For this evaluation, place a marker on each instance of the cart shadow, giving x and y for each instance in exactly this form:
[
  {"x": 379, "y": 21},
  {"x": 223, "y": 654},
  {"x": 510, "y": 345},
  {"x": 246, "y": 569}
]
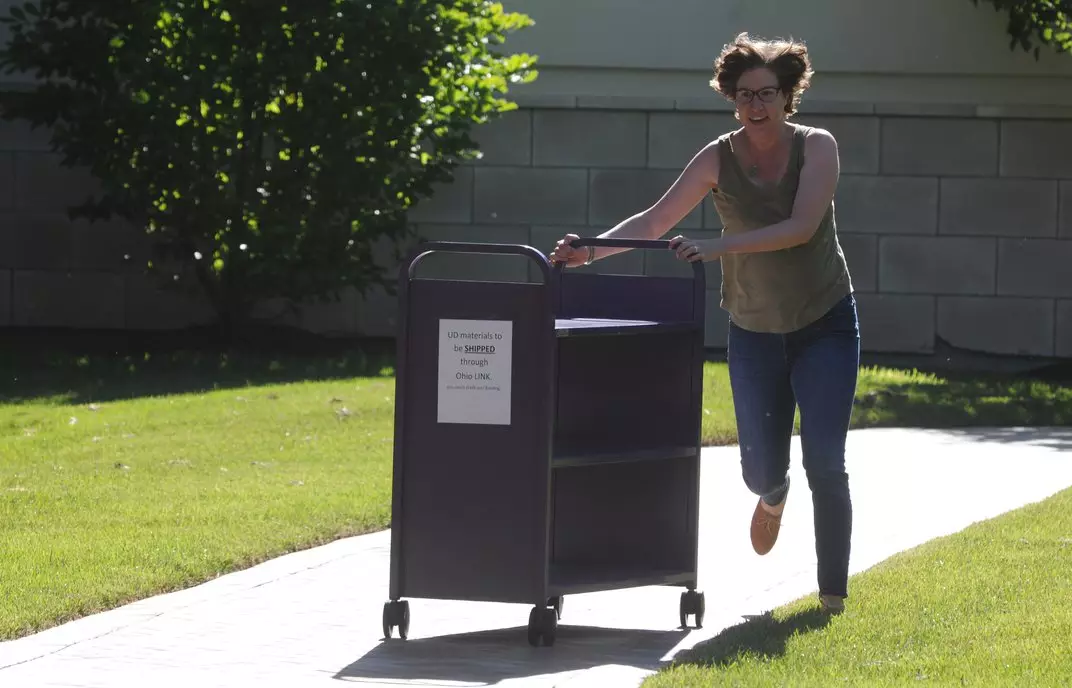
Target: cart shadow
[
  {"x": 488, "y": 657},
  {"x": 761, "y": 637}
]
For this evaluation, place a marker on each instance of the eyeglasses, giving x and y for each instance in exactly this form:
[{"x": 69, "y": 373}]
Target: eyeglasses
[{"x": 767, "y": 94}]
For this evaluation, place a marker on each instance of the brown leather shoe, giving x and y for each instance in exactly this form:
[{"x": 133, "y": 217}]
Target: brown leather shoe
[
  {"x": 832, "y": 604},
  {"x": 765, "y": 527}
]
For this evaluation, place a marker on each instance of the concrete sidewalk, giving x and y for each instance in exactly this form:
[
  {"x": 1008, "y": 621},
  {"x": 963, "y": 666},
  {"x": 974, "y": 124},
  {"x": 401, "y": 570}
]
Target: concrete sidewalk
[{"x": 313, "y": 618}]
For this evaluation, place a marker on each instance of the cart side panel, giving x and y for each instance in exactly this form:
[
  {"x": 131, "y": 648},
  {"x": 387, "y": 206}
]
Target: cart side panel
[{"x": 474, "y": 497}]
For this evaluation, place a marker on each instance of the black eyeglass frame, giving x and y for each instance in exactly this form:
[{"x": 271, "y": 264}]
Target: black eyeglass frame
[{"x": 767, "y": 94}]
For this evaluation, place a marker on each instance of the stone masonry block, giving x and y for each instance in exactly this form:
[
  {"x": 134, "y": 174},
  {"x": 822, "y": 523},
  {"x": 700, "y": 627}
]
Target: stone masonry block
[
  {"x": 1036, "y": 149},
  {"x": 376, "y": 314},
  {"x": 528, "y": 196},
  {"x": 590, "y": 138},
  {"x": 674, "y": 138},
  {"x": 667, "y": 264},
  {"x": 998, "y": 325},
  {"x": 616, "y": 195},
  {"x": 887, "y": 205},
  {"x": 42, "y": 183},
  {"x": 51, "y": 241},
  {"x": 711, "y": 218},
  {"x": 35, "y": 241},
  {"x": 857, "y": 138},
  {"x": 451, "y": 202},
  {"x": 108, "y": 245},
  {"x": 861, "y": 253},
  {"x": 998, "y": 207},
  {"x": 506, "y": 140},
  {"x": 1064, "y": 212},
  {"x": 348, "y": 315},
  {"x": 939, "y": 146},
  {"x": 19, "y": 135},
  {"x": 896, "y": 323},
  {"x": 474, "y": 266},
  {"x": 68, "y": 299},
  {"x": 625, "y": 103},
  {"x": 716, "y": 322},
  {"x": 1064, "y": 329},
  {"x": 1035, "y": 267},
  {"x": 149, "y": 306},
  {"x": 937, "y": 265},
  {"x": 7, "y": 181},
  {"x": 626, "y": 263},
  {"x": 5, "y": 298}
]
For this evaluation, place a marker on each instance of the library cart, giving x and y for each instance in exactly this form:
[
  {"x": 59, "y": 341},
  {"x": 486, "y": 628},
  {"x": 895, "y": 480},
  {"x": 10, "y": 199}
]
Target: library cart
[{"x": 547, "y": 435}]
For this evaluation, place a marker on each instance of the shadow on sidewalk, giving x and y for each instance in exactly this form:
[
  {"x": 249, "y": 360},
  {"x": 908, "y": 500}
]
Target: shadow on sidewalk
[
  {"x": 1059, "y": 438},
  {"x": 490, "y": 657},
  {"x": 762, "y": 637}
]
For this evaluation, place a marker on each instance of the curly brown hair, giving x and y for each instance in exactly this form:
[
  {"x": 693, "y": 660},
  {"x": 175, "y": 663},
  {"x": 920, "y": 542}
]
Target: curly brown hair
[{"x": 788, "y": 59}]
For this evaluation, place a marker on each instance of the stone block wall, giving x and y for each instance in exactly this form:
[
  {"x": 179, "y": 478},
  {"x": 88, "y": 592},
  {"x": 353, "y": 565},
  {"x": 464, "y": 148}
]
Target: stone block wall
[{"x": 957, "y": 222}]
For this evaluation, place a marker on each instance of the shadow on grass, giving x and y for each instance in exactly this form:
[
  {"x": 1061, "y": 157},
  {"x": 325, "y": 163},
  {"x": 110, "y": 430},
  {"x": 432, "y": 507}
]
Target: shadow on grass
[
  {"x": 760, "y": 637},
  {"x": 85, "y": 369},
  {"x": 980, "y": 401}
]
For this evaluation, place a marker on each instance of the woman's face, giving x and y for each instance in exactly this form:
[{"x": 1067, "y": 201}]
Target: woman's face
[{"x": 759, "y": 101}]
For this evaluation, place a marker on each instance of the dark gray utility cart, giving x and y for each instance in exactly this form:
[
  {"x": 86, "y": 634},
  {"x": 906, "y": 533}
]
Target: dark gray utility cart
[{"x": 547, "y": 436}]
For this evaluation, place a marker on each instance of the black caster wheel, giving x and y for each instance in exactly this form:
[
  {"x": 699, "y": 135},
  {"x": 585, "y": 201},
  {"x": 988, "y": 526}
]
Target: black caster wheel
[
  {"x": 396, "y": 615},
  {"x": 557, "y": 603},
  {"x": 543, "y": 625},
  {"x": 692, "y": 604}
]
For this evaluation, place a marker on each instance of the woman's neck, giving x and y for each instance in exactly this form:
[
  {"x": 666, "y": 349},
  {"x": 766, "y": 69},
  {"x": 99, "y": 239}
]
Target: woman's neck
[{"x": 765, "y": 142}]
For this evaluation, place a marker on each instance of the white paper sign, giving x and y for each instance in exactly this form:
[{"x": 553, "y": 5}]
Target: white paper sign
[{"x": 475, "y": 368}]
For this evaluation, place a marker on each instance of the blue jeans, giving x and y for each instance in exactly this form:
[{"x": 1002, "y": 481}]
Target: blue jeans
[{"x": 814, "y": 368}]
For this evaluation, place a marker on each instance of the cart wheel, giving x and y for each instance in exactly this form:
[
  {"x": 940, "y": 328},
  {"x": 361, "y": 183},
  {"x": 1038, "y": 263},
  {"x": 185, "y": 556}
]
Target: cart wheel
[
  {"x": 693, "y": 603},
  {"x": 557, "y": 603},
  {"x": 543, "y": 625},
  {"x": 396, "y": 615},
  {"x": 403, "y": 619}
]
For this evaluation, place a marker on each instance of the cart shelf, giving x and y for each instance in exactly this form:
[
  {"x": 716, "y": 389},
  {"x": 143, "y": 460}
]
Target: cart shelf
[
  {"x": 571, "y": 579},
  {"x": 588, "y": 327},
  {"x": 599, "y": 458}
]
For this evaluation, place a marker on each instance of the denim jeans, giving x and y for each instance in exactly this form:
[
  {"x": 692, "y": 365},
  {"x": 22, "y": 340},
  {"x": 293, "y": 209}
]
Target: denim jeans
[{"x": 814, "y": 368}]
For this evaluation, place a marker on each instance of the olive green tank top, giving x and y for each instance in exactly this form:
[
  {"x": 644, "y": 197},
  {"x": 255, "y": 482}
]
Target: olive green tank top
[{"x": 776, "y": 291}]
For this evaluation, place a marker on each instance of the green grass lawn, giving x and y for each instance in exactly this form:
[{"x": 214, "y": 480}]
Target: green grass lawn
[
  {"x": 991, "y": 605},
  {"x": 121, "y": 477}
]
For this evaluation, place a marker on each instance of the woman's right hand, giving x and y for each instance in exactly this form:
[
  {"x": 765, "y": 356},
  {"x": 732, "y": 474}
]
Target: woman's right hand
[{"x": 564, "y": 253}]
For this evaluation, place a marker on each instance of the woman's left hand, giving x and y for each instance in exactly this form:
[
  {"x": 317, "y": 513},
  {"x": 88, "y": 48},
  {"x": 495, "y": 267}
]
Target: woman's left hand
[{"x": 694, "y": 250}]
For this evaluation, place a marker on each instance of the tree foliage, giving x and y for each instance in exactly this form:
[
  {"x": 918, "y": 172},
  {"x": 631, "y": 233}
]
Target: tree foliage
[
  {"x": 1035, "y": 23},
  {"x": 268, "y": 148}
]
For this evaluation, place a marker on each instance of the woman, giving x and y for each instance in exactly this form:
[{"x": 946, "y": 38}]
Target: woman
[{"x": 793, "y": 333}]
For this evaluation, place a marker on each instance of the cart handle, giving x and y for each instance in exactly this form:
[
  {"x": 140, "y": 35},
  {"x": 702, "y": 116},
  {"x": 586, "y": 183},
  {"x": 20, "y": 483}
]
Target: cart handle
[
  {"x": 611, "y": 242},
  {"x": 428, "y": 247}
]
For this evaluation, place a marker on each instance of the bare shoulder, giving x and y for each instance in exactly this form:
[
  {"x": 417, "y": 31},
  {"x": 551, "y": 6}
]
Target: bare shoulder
[
  {"x": 710, "y": 156},
  {"x": 706, "y": 160},
  {"x": 820, "y": 141}
]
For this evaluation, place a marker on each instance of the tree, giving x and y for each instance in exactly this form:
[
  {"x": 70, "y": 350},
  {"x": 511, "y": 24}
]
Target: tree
[
  {"x": 267, "y": 148},
  {"x": 1034, "y": 23}
]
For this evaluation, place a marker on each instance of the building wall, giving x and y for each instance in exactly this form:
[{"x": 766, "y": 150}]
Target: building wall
[
  {"x": 954, "y": 206},
  {"x": 874, "y": 51},
  {"x": 958, "y": 227}
]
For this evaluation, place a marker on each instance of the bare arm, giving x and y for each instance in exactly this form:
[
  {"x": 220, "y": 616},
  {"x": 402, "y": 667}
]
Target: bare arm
[
  {"x": 694, "y": 182},
  {"x": 818, "y": 182}
]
